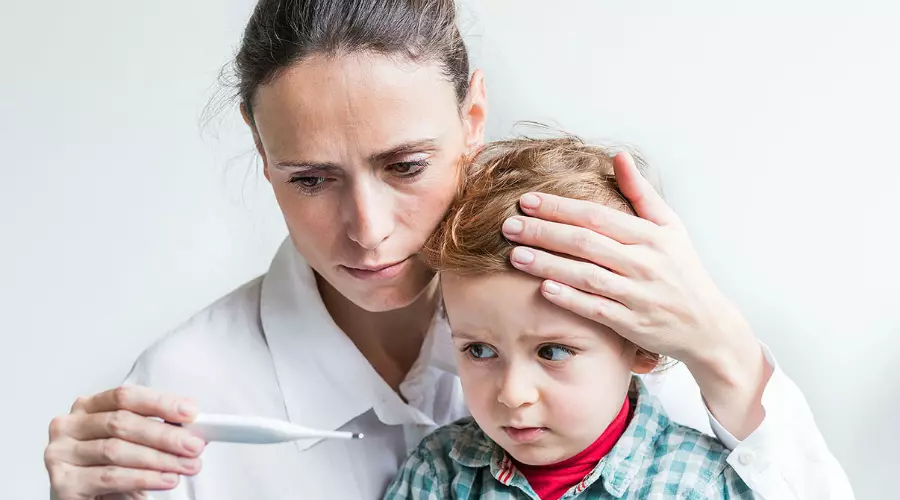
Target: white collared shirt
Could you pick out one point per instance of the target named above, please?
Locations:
(270, 348)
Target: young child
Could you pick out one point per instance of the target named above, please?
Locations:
(558, 413)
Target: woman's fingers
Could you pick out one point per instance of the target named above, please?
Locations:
(583, 276)
(121, 453)
(133, 428)
(140, 400)
(70, 480)
(594, 307)
(108, 445)
(577, 242)
(620, 226)
(97, 481)
(647, 202)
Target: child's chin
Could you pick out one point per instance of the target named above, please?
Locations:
(537, 454)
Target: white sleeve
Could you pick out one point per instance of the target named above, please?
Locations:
(786, 456)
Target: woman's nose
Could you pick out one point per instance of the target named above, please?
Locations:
(517, 389)
(371, 217)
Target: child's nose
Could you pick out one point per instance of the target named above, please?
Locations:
(516, 390)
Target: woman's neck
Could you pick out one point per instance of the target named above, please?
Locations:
(390, 340)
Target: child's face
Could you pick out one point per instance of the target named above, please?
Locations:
(542, 382)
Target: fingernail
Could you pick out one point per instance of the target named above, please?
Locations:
(193, 444)
(169, 478)
(522, 255)
(187, 409)
(530, 201)
(512, 226)
(552, 288)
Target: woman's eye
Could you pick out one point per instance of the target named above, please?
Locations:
(481, 351)
(409, 168)
(555, 353)
(309, 182)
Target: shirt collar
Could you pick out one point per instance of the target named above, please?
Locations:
(619, 468)
(304, 343)
(473, 448)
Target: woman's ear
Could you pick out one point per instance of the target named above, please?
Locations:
(245, 114)
(474, 112)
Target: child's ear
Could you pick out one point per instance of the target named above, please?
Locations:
(644, 362)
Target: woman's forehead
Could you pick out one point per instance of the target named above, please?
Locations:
(364, 100)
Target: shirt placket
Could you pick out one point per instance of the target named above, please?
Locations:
(585, 483)
(506, 474)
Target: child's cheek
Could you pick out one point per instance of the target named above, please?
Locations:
(480, 395)
(580, 390)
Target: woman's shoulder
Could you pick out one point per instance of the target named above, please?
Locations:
(222, 341)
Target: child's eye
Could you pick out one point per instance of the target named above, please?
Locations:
(552, 352)
(480, 351)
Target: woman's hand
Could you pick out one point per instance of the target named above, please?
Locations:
(642, 278)
(106, 448)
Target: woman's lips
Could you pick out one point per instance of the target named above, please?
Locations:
(524, 434)
(377, 272)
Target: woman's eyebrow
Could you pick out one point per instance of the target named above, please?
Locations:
(292, 165)
(406, 147)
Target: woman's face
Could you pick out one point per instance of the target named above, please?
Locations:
(363, 153)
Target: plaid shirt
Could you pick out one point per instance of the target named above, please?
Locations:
(654, 459)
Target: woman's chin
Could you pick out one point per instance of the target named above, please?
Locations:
(393, 296)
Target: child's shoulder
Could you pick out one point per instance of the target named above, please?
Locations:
(674, 438)
(456, 440)
(446, 464)
(674, 459)
(666, 438)
(688, 464)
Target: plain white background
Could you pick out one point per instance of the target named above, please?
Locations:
(774, 127)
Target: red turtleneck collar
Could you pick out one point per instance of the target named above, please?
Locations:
(551, 482)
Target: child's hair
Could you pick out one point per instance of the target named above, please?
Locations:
(469, 240)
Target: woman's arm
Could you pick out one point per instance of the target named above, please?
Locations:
(643, 278)
(786, 456)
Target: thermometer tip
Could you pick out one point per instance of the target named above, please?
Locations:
(358, 435)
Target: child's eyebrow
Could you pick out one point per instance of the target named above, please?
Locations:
(530, 337)
(554, 337)
(463, 335)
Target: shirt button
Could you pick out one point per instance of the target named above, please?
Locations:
(746, 457)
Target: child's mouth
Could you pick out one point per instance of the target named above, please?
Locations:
(524, 434)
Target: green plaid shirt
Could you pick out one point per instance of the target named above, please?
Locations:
(654, 459)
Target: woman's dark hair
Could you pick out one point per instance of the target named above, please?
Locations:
(282, 32)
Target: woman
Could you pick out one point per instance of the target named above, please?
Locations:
(361, 111)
